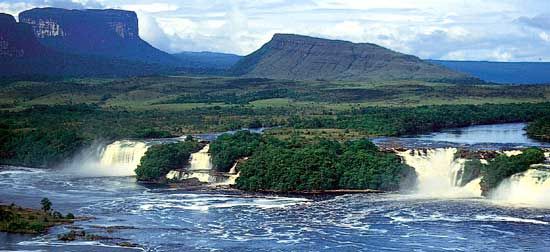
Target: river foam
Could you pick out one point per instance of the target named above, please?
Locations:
(438, 173)
(529, 188)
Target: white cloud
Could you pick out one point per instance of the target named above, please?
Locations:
(14, 8)
(440, 29)
(153, 7)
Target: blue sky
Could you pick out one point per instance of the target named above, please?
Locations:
(497, 30)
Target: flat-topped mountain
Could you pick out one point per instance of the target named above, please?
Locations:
(297, 57)
(16, 39)
(110, 33)
(22, 54)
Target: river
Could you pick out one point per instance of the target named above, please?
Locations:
(177, 220)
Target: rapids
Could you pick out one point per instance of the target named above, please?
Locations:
(438, 214)
(438, 173)
(123, 155)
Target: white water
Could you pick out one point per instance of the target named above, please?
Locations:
(119, 158)
(123, 155)
(201, 168)
(437, 171)
(201, 160)
(529, 188)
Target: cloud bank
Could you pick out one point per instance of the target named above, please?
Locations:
(497, 30)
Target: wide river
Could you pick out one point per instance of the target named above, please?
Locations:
(177, 220)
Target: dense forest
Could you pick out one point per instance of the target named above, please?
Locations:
(540, 129)
(38, 147)
(403, 121)
(303, 165)
(228, 148)
(160, 159)
(44, 135)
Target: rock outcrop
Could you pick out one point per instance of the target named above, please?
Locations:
(297, 57)
(56, 42)
(16, 39)
(106, 33)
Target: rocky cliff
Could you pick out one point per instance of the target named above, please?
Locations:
(297, 57)
(16, 39)
(107, 33)
(22, 54)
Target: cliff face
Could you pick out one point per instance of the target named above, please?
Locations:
(298, 57)
(16, 39)
(110, 33)
(22, 54)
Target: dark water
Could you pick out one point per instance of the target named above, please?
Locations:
(161, 220)
(172, 220)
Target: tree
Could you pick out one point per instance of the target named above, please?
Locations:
(46, 204)
(160, 159)
(503, 167)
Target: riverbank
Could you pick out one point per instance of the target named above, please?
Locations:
(44, 136)
(21, 220)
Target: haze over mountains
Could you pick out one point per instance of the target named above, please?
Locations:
(60, 42)
(502, 72)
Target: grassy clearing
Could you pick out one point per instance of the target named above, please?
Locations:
(184, 93)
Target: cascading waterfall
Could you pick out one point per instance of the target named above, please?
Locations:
(123, 155)
(439, 173)
(119, 158)
(201, 168)
(529, 188)
(201, 160)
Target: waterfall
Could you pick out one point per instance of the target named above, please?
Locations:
(201, 168)
(201, 160)
(119, 158)
(439, 173)
(124, 155)
(529, 188)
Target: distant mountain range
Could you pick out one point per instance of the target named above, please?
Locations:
(60, 42)
(104, 33)
(296, 57)
(502, 72)
(208, 60)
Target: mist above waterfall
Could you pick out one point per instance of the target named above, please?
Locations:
(119, 158)
(440, 173)
(529, 188)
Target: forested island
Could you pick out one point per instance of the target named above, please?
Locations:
(160, 159)
(298, 164)
(17, 219)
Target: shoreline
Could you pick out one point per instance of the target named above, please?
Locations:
(15, 219)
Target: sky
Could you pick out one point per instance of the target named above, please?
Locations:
(494, 30)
